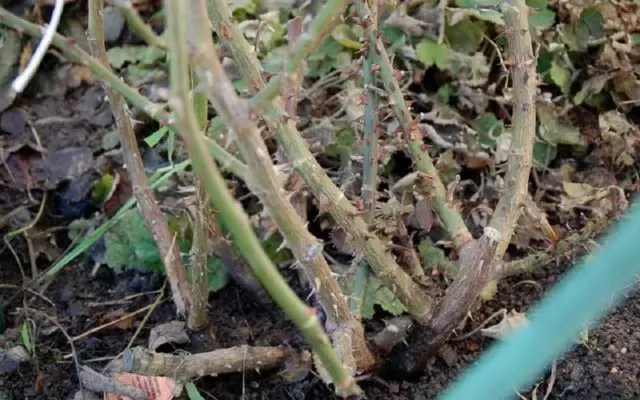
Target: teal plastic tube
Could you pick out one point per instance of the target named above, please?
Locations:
(580, 299)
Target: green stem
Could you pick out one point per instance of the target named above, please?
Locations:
(323, 188)
(370, 153)
(320, 27)
(137, 24)
(523, 72)
(198, 317)
(451, 220)
(235, 220)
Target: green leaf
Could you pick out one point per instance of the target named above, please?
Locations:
(395, 36)
(591, 87)
(155, 138)
(635, 39)
(542, 19)
(493, 16)
(543, 154)
(561, 76)
(345, 36)
(489, 128)
(545, 60)
(129, 244)
(431, 53)
(444, 93)
(448, 166)
(192, 391)
(476, 3)
(434, 258)
(151, 55)
(343, 144)
(590, 26)
(555, 130)
(271, 246)
(377, 294)
(217, 274)
(465, 36)
(26, 338)
(466, 3)
(102, 188)
(110, 140)
(537, 3)
(147, 55)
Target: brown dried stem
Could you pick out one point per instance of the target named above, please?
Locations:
(151, 213)
(323, 188)
(479, 259)
(263, 181)
(186, 367)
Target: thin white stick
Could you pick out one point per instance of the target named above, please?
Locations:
(23, 79)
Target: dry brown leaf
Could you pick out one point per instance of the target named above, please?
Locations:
(172, 332)
(510, 322)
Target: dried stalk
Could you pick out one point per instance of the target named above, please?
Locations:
(264, 183)
(189, 366)
(137, 24)
(430, 180)
(156, 111)
(235, 220)
(323, 188)
(151, 213)
(479, 259)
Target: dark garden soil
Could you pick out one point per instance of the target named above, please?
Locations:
(607, 366)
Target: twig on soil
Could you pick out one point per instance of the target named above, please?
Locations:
(137, 24)
(33, 292)
(235, 220)
(501, 312)
(99, 383)
(151, 213)
(551, 381)
(564, 246)
(188, 366)
(112, 323)
(322, 187)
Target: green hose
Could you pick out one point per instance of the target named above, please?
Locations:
(581, 298)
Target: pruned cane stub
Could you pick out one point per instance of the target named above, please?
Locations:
(477, 264)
